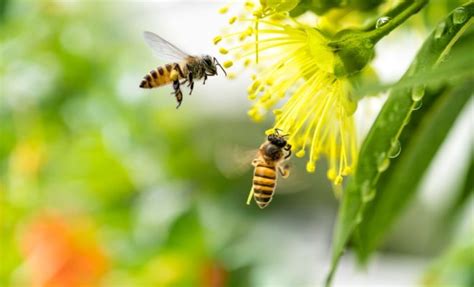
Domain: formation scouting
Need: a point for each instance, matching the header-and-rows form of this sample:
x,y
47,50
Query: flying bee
x,y
182,67
270,157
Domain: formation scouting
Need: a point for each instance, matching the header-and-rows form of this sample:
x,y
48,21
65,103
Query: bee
x,y
270,157
182,67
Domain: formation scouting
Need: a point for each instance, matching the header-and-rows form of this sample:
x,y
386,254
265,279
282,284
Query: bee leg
x,y
205,78
177,93
284,170
191,82
288,149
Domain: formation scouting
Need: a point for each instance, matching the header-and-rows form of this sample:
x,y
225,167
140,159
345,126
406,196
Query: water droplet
x,y
459,15
418,105
369,194
440,30
383,162
359,218
395,149
417,93
382,21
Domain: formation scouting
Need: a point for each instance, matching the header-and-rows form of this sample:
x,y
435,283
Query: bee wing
x,y
234,161
163,49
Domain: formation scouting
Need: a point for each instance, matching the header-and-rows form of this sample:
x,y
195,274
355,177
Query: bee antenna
x,y
277,131
218,64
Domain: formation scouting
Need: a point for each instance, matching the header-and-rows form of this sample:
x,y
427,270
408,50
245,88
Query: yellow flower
x,y
295,79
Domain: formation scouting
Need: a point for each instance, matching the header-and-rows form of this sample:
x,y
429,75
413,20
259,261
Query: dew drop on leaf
x,y
383,162
368,193
395,149
459,15
417,93
382,21
440,30
418,105
358,218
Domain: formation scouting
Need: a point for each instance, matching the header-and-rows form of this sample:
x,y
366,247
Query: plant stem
x,y
376,34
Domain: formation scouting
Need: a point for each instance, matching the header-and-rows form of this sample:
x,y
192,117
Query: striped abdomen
x,y
162,75
264,182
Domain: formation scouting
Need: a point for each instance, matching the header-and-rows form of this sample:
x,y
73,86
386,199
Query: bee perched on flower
x,y
298,78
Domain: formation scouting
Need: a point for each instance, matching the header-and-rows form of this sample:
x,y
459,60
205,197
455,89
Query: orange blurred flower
x,y
213,274
58,254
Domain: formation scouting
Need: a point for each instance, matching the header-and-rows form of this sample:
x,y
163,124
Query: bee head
x,y
277,140
210,65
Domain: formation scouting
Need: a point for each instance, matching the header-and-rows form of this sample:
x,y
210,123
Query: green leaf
x,y
420,140
385,132
458,68
454,267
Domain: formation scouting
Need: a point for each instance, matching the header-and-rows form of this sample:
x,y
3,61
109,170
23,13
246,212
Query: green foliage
x,y
454,268
383,140
421,139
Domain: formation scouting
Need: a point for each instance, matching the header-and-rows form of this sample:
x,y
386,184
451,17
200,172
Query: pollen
x,y
331,174
228,64
338,180
249,5
217,39
223,51
310,167
223,10
277,112
231,76
174,75
300,153
232,20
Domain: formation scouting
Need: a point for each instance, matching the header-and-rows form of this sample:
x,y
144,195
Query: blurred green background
x,y
104,184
